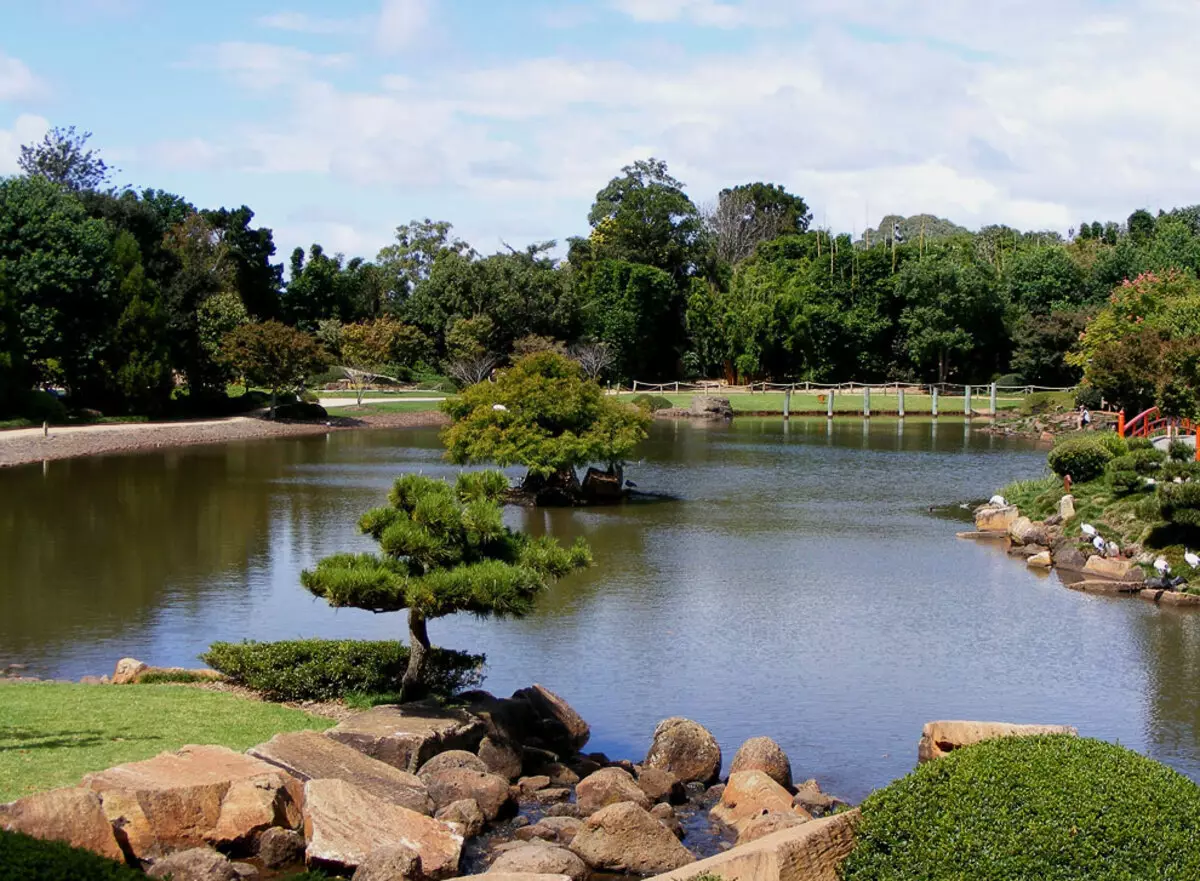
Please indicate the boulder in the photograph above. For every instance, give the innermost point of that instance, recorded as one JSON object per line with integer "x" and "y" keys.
{"x": 560, "y": 830}
{"x": 308, "y": 755}
{"x": 279, "y": 848}
{"x": 530, "y": 785}
{"x": 560, "y": 727}
{"x": 768, "y": 824}
{"x": 540, "y": 859}
{"x": 709, "y": 407}
{"x": 749, "y": 794}
{"x": 553, "y": 795}
{"x": 764, "y": 754}
{"x": 996, "y": 519}
{"x": 74, "y": 816}
{"x": 599, "y": 484}
{"x": 685, "y": 748}
{"x": 501, "y": 757}
{"x": 1040, "y": 561}
{"x": 941, "y": 738}
{"x": 195, "y": 796}
{"x": 393, "y": 863}
{"x": 488, "y": 791}
{"x": 565, "y": 809}
{"x": 128, "y": 670}
{"x": 1068, "y": 557}
{"x": 1024, "y": 531}
{"x": 464, "y": 816}
{"x": 625, "y": 838}
{"x": 453, "y": 759}
{"x": 666, "y": 815}
{"x": 608, "y": 786}
{"x": 1066, "y": 507}
{"x": 817, "y": 803}
{"x": 1115, "y": 570}
{"x": 408, "y": 736}
{"x": 345, "y": 824}
{"x": 559, "y": 774}
{"x": 196, "y": 864}
{"x": 660, "y": 785}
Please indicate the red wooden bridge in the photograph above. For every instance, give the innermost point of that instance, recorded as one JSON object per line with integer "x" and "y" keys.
{"x": 1152, "y": 424}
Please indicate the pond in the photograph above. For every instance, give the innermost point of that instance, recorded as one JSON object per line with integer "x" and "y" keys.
{"x": 790, "y": 580}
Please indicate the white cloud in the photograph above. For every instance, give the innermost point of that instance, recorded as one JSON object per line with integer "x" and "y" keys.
{"x": 17, "y": 82}
{"x": 302, "y": 22}
{"x": 265, "y": 66}
{"x": 26, "y": 130}
{"x": 401, "y": 22}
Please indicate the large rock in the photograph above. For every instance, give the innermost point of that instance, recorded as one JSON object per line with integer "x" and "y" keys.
{"x": 196, "y": 864}
{"x": 625, "y": 838}
{"x": 540, "y": 859}
{"x": 501, "y": 757}
{"x": 1114, "y": 570}
{"x": 815, "y": 802}
{"x": 408, "y": 736}
{"x": 561, "y": 729}
{"x": 451, "y": 760}
{"x": 709, "y": 407}
{"x": 687, "y": 749}
{"x": 71, "y": 815}
{"x": 1041, "y": 560}
{"x": 939, "y": 739}
{"x": 345, "y": 824}
{"x": 996, "y": 519}
{"x": 464, "y": 817}
{"x": 764, "y": 754}
{"x": 198, "y": 795}
{"x": 1024, "y": 531}
{"x": 768, "y": 824}
{"x": 1068, "y": 557}
{"x": 660, "y": 785}
{"x": 609, "y": 786}
{"x": 488, "y": 791}
{"x": 279, "y": 848}
{"x": 128, "y": 670}
{"x": 308, "y": 755}
{"x": 560, "y": 830}
{"x": 394, "y": 863}
{"x": 750, "y": 794}
{"x": 811, "y": 852}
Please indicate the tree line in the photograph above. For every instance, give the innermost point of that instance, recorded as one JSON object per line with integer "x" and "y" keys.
{"x": 133, "y": 300}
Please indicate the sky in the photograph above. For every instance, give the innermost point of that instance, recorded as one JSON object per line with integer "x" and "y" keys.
{"x": 338, "y": 121}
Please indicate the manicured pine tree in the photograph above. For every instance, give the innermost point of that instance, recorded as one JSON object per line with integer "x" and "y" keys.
{"x": 444, "y": 549}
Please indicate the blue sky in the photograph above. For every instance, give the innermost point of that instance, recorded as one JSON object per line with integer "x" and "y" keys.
{"x": 337, "y": 121}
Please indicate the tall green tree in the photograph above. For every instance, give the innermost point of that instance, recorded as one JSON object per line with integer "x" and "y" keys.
{"x": 63, "y": 157}
{"x": 443, "y": 550}
{"x": 749, "y": 214}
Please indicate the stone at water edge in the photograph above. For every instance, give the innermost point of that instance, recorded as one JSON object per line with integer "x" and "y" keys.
{"x": 749, "y": 794}
{"x": 393, "y": 863}
{"x": 128, "y": 670}
{"x": 768, "y": 824}
{"x": 1116, "y": 570}
{"x": 310, "y": 755}
{"x": 541, "y": 859}
{"x": 764, "y": 754}
{"x": 939, "y": 739}
{"x": 1040, "y": 561}
{"x": 1068, "y": 557}
{"x": 500, "y": 757}
{"x": 464, "y": 815}
{"x": 408, "y": 736}
{"x": 609, "y": 786}
{"x": 660, "y": 785}
{"x": 685, "y": 748}
{"x": 1024, "y": 531}
{"x": 563, "y": 728}
{"x": 453, "y": 759}
{"x": 73, "y": 815}
{"x": 989, "y": 519}
{"x": 344, "y": 825}
{"x": 197, "y": 864}
{"x": 710, "y": 407}
{"x": 279, "y": 848}
{"x": 488, "y": 791}
{"x": 817, "y": 803}
{"x": 625, "y": 838}
{"x": 561, "y": 830}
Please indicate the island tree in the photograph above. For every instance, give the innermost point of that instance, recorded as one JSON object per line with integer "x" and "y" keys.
{"x": 545, "y": 415}
{"x": 443, "y": 549}
{"x": 274, "y": 356}
{"x": 370, "y": 348}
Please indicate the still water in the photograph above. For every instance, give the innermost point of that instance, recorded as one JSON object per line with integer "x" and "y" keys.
{"x": 791, "y": 582}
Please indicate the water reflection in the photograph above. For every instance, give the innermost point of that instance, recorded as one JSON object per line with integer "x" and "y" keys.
{"x": 790, "y": 582}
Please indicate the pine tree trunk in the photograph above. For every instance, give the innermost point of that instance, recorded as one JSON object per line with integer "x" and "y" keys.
{"x": 412, "y": 686}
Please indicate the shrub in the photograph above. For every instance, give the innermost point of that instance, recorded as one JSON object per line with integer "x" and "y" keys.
{"x": 1139, "y": 443}
{"x": 171, "y": 677}
{"x": 1113, "y": 442}
{"x": 653, "y": 403}
{"x": 301, "y": 411}
{"x": 1088, "y": 396}
{"x": 28, "y": 859}
{"x": 1184, "y": 470}
{"x": 1141, "y": 461}
{"x": 1082, "y": 457}
{"x": 1125, "y": 482}
{"x": 1179, "y": 451}
{"x": 1048, "y": 808}
{"x": 41, "y": 407}
{"x": 1179, "y": 503}
{"x": 1039, "y": 403}
{"x": 321, "y": 669}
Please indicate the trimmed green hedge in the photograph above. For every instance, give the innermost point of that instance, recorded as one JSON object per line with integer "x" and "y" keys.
{"x": 326, "y": 669}
{"x": 301, "y": 411}
{"x": 27, "y": 859}
{"x": 1032, "y": 809}
{"x": 1081, "y": 456}
{"x": 653, "y": 403}
{"x": 1179, "y": 503}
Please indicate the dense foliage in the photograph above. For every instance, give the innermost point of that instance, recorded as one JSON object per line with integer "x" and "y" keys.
{"x": 28, "y": 859}
{"x": 123, "y": 298}
{"x": 444, "y": 549}
{"x": 327, "y": 669}
{"x": 1082, "y": 457}
{"x": 1032, "y": 809}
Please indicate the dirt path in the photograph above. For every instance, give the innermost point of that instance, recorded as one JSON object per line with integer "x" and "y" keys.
{"x": 27, "y": 445}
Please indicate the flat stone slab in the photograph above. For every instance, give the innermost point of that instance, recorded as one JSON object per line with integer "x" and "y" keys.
{"x": 74, "y": 816}
{"x": 195, "y": 796}
{"x": 1170, "y": 598}
{"x": 1116, "y": 570}
{"x": 344, "y": 824}
{"x": 408, "y": 736}
{"x": 939, "y": 739}
{"x": 983, "y": 536}
{"x": 310, "y": 755}
{"x": 1103, "y": 586}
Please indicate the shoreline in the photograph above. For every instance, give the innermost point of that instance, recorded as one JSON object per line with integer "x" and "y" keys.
{"x": 28, "y": 446}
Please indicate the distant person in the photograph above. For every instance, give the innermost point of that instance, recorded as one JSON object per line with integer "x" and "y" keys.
{"x": 1085, "y": 418}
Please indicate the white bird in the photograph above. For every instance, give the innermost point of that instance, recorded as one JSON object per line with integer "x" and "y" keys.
{"x": 1150, "y": 481}
{"x": 1089, "y": 530}
{"x": 998, "y": 502}
{"x": 1112, "y": 549}
{"x": 1098, "y": 544}
{"x": 1162, "y": 567}
{"x": 499, "y": 408}
{"x": 1179, "y": 480}
{"x": 1192, "y": 559}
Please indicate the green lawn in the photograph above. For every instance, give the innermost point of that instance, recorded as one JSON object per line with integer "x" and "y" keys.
{"x": 849, "y": 402}
{"x": 380, "y": 393}
{"x": 389, "y": 407}
{"x": 52, "y": 734}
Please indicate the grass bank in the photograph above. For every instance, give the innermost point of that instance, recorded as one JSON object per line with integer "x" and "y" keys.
{"x": 846, "y": 402}
{"x": 389, "y": 407}
{"x": 51, "y": 734}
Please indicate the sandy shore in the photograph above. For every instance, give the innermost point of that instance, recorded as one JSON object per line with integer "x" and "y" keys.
{"x": 27, "y": 445}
